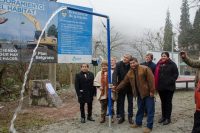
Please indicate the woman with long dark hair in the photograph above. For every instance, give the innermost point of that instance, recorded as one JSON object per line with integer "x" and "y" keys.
{"x": 166, "y": 74}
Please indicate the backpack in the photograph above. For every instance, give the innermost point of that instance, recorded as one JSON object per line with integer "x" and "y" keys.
{"x": 197, "y": 96}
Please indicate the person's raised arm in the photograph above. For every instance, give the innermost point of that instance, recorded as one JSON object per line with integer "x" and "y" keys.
{"x": 191, "y": 62}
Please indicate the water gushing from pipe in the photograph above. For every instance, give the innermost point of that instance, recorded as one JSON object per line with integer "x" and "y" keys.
{"x": 12, "y": 128}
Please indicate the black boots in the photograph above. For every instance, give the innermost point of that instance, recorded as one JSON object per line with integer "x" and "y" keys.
{"x": 130, "y": 120}
{"x": 166, "y": 122}
{"x": 161, "y": 120}
{"x": 90, "y": 119}
{"x": 121, "y": 120}
{"x": 82, "y": 120}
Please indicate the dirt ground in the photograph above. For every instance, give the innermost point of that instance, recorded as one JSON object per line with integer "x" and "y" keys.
{"x": 66, "y": 119}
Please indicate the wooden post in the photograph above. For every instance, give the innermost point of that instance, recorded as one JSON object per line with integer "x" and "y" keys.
{"x": 71, "y": 77}
{"x": 52, "y": 74}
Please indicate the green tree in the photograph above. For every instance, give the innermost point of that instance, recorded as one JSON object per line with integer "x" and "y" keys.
{"x": 52, "y": 31}
{"x": 196, "y": 32}
{"x": 167, "y": 46}
{"x": 185, "y": 26}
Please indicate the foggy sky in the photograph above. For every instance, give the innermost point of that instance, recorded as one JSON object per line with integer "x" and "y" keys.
{"x": 132, "y": 17}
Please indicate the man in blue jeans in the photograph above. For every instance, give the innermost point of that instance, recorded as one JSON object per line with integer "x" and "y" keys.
{"x": 142, "y": 83}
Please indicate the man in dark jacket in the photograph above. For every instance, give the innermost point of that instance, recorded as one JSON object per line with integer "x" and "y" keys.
{"x": 121, "y": 69}
{"x": 85, "y": 91}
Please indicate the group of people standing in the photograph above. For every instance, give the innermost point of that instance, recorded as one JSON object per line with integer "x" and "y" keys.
{"x": 132, "y": 80}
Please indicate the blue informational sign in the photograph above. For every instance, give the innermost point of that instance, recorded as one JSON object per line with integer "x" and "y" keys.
{"x": 21, "y": 23}
{"x": 75, "y": 36}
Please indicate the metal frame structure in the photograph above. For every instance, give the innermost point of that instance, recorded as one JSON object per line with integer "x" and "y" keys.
{"x": 108, "y": 50}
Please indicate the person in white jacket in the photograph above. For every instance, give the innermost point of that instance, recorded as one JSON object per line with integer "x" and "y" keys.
{"x": 101, "y": 83}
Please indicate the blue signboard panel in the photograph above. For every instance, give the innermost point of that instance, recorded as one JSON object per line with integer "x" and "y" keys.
{"x": 75, "y": 36}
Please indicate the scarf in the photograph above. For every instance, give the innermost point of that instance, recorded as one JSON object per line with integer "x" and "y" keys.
{"x": 104, "y": 82}
{"x": 160, "y": 62}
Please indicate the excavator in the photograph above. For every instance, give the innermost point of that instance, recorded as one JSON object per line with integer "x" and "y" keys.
{"x": 49, "y": 42}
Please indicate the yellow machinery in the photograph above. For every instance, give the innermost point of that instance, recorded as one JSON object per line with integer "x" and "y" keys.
{"x": 49, "y": 42}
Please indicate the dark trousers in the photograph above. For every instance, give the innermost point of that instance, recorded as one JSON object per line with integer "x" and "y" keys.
{"x": 148, "y": 104}
{"x": 121, "y": 101}
{"x": 104, "y": 105}
{"x": 166, "y": 103}
{"x": 82, "y": 109}
{"x": 196, "y": 126}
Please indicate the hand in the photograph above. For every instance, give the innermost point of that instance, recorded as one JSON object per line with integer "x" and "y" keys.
{"x": 114, "y": 88}
{"x": 183, "y": 54}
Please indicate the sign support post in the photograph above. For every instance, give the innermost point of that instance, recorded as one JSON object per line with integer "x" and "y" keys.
{"x": 108, "y": 50}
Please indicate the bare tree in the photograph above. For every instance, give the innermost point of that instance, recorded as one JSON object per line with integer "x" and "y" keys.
{"x": 150, "y": 41}
{"x": 153, "y": 40}
{"x": 194, "y": 3}
{"x": 116, "y": 40}
{"x": 139, "y": 47}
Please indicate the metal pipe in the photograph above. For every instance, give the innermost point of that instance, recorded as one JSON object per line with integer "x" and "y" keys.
{"x": 109, "y": 59}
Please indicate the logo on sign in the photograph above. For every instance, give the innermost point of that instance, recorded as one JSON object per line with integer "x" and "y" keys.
{"x": 76, "y": 59}
{"x": 64, "y": 13}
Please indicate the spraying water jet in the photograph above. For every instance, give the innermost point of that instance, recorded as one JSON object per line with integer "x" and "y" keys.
{"x": 18, "y": 109}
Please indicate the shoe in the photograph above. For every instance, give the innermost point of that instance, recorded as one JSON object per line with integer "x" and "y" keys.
{"x": 161, "y": 120}
{"x": 102, "y": 120}
{"x": 90, "y": 119}
{"x": 166, "y": 122}
{"x": 121, "y": 120}
{"x": 118, "y": 116}
{"x": 147, "y": 130}
{"x": 135, "y": 126}
{"x": 112, "y": 120}
{"x": 130, "y": 120}
{"x": 82, "y": 120}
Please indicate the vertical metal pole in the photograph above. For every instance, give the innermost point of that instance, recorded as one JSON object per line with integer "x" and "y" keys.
{"x": 109, "y": 72}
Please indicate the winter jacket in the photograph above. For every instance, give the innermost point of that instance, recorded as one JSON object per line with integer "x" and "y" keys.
{"x": 84, "y": 86}
{"x": 97, "y": 83}
{"x": 151, "y": 65}
{"x": 168, "y": 74}
{"x": 144, "y": 78}
{"x": 119, "y": 73}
